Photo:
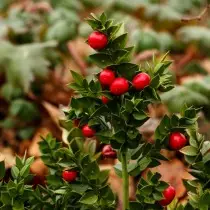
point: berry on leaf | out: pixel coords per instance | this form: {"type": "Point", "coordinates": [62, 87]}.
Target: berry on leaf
{"type": "Point", "coordinates": [104, 99]}
{"type": "Point", "coordinates": [108, 152]}
{"type": "Point", "coordinates": [141, 80]}
{"type": "Point", "coordinates": [97, 40]}
{"type": "Point", "coordinates": [169, 194]}
{"type": "Point", "coordinates": [119, 86]}
{"type": "Point", "coordinates": [88, 131]}
{"type": "Point", "coordinates": [106, 77]}
{"type": "Point", "coordinates": [69, 176]}
{"type": "Point", "coordinates": [177, 140]}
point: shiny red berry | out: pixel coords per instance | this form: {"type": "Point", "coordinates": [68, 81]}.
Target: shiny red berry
{"type": "Point", "coordinates": [140, 81]}
{"type": "Point", "coordinates": [69, 176]}
{"type": "Point", "coordinates": [169, 194]}
{"type": "Point", "coordinates": [104, 99]}
{"type": "Point", "coordinates": [88, 131]}
{"type": "Point", "coordinates": [108, 152]}
{"type": "Point", "coordinates": [97, 40]}
{"type": "Point", "coordinates": [106, 77]}
{"type": "Point", "coordinates": [177, 141]}
{"type": "Point", "coordinates": [119, 86]}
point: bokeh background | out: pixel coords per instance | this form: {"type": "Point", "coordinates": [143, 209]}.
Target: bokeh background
{"type": "Point", "coordinates": [40, 41]}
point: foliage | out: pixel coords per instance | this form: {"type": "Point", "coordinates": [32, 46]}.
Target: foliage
{"type": "Point", "coordinates": [116, 123]}
{"type": "Point", "coordinates": [192, 92]}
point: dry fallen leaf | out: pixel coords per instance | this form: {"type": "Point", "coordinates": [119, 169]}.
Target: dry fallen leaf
{"type": "Point", "coordinates": [8, 156]}
{"type": "Point", "coordinates": [116, 182]}
{"type": "Point", "coordinates": [39, 168]}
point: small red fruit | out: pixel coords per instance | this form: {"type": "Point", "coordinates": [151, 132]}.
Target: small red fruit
{"type": "Point", "coordinates": [169, 194]}
{"type": "Point", "coordinates": [69, 176]}
{"type": "Point", "coordinates": [177, 141]}
{"type": "Point", "coordinates": [97, 40]}
{"type": "Point", "coordinates": [104, 99]}
{"type": "Point", "coordinates": [106, 77]}
{"type": "Point", "coordinates": [88, 131]}
{"type": "Point", "coordinates": [108, 152]}
{"type": "Point", "coordinates": [119, 86]}
{"type": "Point", "coordinates": [140, 81]}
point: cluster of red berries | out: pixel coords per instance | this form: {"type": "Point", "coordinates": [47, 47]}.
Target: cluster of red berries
{"type": "Point", "coordinates": [120, 85]}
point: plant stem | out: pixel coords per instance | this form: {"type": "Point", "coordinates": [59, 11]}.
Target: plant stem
{"type": "Point", "coordinates": [125, 178]}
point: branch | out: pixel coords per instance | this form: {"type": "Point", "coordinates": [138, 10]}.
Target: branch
{"type": "Point", "coordinates": [198, 17]}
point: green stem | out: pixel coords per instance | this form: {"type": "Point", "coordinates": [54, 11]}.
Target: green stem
{"type": "Point", "coordinates": [125, 178]}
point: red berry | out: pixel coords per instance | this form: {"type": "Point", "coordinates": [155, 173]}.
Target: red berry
{"type": "Point", "coordinates": [140, 81]}
{"type": "Point", "coordinates": [76, 122]}
{"type": "Point", "coordinates": [106, 77]}
{"type": "Point", "coordinates": [177, 141]}
{"type": "Point", "coordinates": [97, 40]}
{"type": "Point", "coordinates": [108, 152]}
{"type": "Point", "coordinates": [88, 131]}
{"type": "Point", "coordinates": [119, 86]}
{"type": "Point", "coordinates": [169, 194]}
{"type": "Point", "coordinates": [104, 99]}
{"type": "Point", "coordinates": [69, 176]}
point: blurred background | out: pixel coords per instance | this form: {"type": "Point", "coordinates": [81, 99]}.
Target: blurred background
{"type": "Point", "coordinates": [40, 41]}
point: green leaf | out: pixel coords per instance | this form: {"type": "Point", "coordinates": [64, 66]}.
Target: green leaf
{"type": "Point", "coordinates": [79, 188]}
{"type": "Point", "coordinates": [120, 136]}
{"type": "Point", "coordinates": [26, 133]}
{"type": "Point", "coordinates": [161, 67]}
{"type": "Point", "coordinates": [101, 59]}
{"type": "Point", "coordinates": [19, 163]}
{"type": "Point", "coordinates": [127, 70]}
{"type": "Point", "coordinates": [103, 18]}
{"type": "Point", "coordinates": [104, 136]}
{"type": "Point", "coordinates": [77, 78]}
{"type": "Point", "coordinates": [161, 186]}
{"type": "Point", "coordinates": [18, 205]}
{"type": "Point", "coordinates": [22, 108]}
{"type": "Point", "coordinates": [74, 133]}
{"type": "Point", "coordinates": [139, 115]}
{"type": "Point", "coordinates": [101, 110]}
{"type": "Point", "coordinates": [91, 147]}
{"type": "Point", "coordinates": [189, 150]}
{"type": "Point", "coordinates": [89, 198]}
{"type": "Point", "coordinates": [155, 81]}
{"type": "Point", "coordinates": [24, 172]}
{"type": "Point", "coordinates": [204, 200]}
{"type": "Point", "coordinates": [119, 42]}
{"type": "Point", "coordinates": [144, 163]}
{"type": "Point", "coordinates": [15, 172]}
{"type": "Point", "coordinates": [2, 169]}
{"type": "Point", "coordinates": [158, 196]}
{"type": "Point", "coordinates": [5, 198]}
{"type": "Point", "coordinates": [29, 161]}
{"type": "Point", "coordinates": [134, 169]}
{"type": "Point", "coordinates": [147, 190]}
{"type": "Point", "coordinates": [129, 105]}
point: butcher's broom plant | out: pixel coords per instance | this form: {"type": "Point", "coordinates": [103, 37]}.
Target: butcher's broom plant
{"type": "Point", "coordinates": [109, 109]}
